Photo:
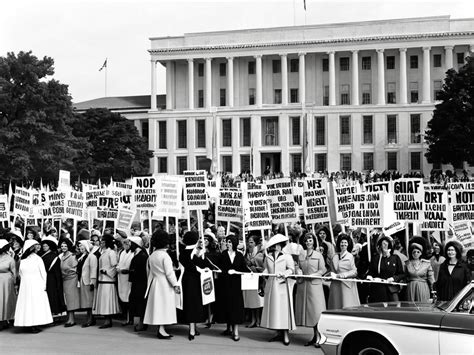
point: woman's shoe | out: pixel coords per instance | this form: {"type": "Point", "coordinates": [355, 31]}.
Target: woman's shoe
{"type": "Point", "coordinates": [235, 338]}
{"type": "Point", "coordinates": [226, 332]}
{"type": "Point", "coordinates": [316, 345]}
{"type": "Point", "coordinates": [35, 330]}
{"type": "Point", "coordinates": [190, 337]}
{"type": "Point", "coordinates": [196, 333]}
{"type": "Point", "coordinates": [164, 337]}
{"type": "Point", "coordinates": [208, 325]}
{"type": "Point", "coordinates": [311, 342]}
{"type": "Point", "coordinates": [67, 325]}
{"type": "Point", "coordinates": [286, 343]}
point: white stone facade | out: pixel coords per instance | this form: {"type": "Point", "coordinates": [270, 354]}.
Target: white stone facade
{"type": "Point", "coordinates": [360, 94]}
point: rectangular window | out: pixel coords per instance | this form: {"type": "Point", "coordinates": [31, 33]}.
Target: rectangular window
{"type": "Point", "coordinates": [145, 131]}
{"type": "Point", "coordinates": [200, 69]}
{"type": "Point", "coordinates": [227, 133]}
{"type": "Point", "coordinates": [460, 58]}
{"type": "Point", "coordinates": [391, 93]}
{"type": "Point", "coordinates": [201, 133]}
{"type": "Point", "coordinates": [270, 130]}
{"type": "Point", "coordinates": [390, 62]}
{"type": "Point", "coordinates": [276, 66]}
{"type": "Point", "coordinates": [200, 98]}
{"type": "Point", "coordinates": [162, 135]}
{"type": "Point", "coordinates": [345, 130]}
{"type": "Point", "coordinates": [320, 124]}
{"type": "Point", "coordinates": [437, 86]}
{"type": "Point", "coordinates": [344, 63]}
{"type": "Point", "coordinates": [245, 131]}
{"type": "Point", "coordinates": [294, 65]}
{"type": "Point", "coordinates": [368, 161]}
{"type": "Point", "coordinates": [227, 163]}
{"type": "Point", "coordinates": [392, 129]}
{"type": "Point", "coordinates": [346, 162]}
{"type": "Point", "coordinates": [295, 131]}
{"type": "Point", "coordinates": [366, 63]}
{"type": "Point", "coordinates": [415, 128]}
{"type": "Point", "coordinates": [345, 98]}
{"type": "Point", "coordinates": [277, 96]}
{"type": "Point", "coordinates": [321, 162]}
{"type": "Point", "coordinates": [293, 95]}
{"type": "Point", "coordinates": [222, 97]}
{"type": "Point", "coordinates": [201, 163]}
{"type": "Point", "coordinates": [415, 161]}
{"type": "Point", "coordinates": [413, 92]}
{"type": "Point", "coordinates": [325, 64]}
{"type": "Point", "coordinates": [162, 164]}
{"type": "Point", "coordinates": [366, 94]}
{"type": "Point", "coordinates": [182, 164]}
{"type": "Point", "coordinates": [368, 129]}
{"type": "Point", "coordinates": [392, 163]}
{"type": "Point", "coordinates": [222, 69]}
{"type": "Point", "coordinates": [326, 96]}
{"type": "Point", "coordinates": [251, 96]}
{"type": "Point", "coordinates": [251, 68]}
{"type": "Point", "coordinates": [296, 163]}
{"type": "Point", "coordinates": [437, 60]}
{"type": "Point", "coordinates": [245, 163]}
{"type": "Point", "coordinates": [413, 62]}
{"type": "Point", "coordinates": [182, 134]}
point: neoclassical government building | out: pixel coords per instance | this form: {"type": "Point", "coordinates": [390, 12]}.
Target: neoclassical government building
{"type": "Point", "coordinates": [348, 96]}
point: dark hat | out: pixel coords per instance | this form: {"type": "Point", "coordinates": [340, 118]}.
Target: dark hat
{"type": "Point", "coordinates": [83, 234]}
{"type": "Point", "coordinates": [190, 238]}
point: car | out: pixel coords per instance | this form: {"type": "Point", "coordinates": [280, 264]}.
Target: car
{"type": "Point", "coordinates": [392, 328]}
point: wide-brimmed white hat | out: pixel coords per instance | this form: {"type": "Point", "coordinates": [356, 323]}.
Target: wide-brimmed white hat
{"type": "Point", "coordinates": [51, 239]}
{"type": "Point", "coordinates": [28, 244]}
{"type": "Point", "coordinates": [17, 233]}
{"type": "Point", "coordinates": [137, 240]}
{"type": "Point", "coordinates": [276, 239]}
{"type": "Point", "coordinates": [208, 232]}
{"type": "Point", "coordinates": [86, 244]}
{"type": "Point", "coordinates": [3, 242]}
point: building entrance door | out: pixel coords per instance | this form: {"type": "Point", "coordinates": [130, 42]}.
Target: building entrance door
{"type": "Point", "coordinates": [270, 163]}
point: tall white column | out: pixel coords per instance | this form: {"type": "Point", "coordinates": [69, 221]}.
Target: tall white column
{"type": "Point", "coordinates": [230, 82]}
{"type": "Point", "coordinates": [258, 89]}
{"type": "Point", "coordinates": [169, 84]}
{"type": "Point", "coordinates": [426, 75]}
{"type": "Point", "coordinates": [153, 86]}
{"type": "Point", "coordinates": [355, 78]}
{"type": "Point", "coordinates": [448, 57]}
{"type": "Point", "coordinates": [302, 78]}
{"type": "Point", "coordinates": [284, 79]}
{"type": "Point", "coordinates": [332, 79]}
{"type": "Point", "coordinates": [256, 129]}
{"type": "Point", "coordinates": [403, 99]}
{"type": "Point", "coordinates": [381, 78]}
{"type": "Point", "coordinates": [208, 74]}
{"type": "Point", "coordinates": [190, 84]}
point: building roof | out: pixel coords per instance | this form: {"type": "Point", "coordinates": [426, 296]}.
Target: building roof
{"type": "Point", "coordinates": [114, 103]}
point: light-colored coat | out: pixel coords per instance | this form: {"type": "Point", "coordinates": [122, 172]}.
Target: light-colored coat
{"type": "Point", "coordinates": [310, 302]}
{"type": "Point", "coordinates": [106, 300]}
{"type": "Point", "coordinates": [161, 304]}
{"type": "Point", "coordinates": [343, 293]}
{"type": "Point", "coordinates": [89, 270]}
{"type": "Point", "coordinates": [278, 301]}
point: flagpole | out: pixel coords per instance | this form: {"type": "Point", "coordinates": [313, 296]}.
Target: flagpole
{"type": "Point", "coordinates": [106, 80]}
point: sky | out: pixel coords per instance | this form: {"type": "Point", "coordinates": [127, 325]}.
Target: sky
{"type": "Point", "coordinates": [80, 35]}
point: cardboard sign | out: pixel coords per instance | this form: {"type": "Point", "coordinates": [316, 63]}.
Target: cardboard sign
{"type": "Point", "coordinates": [282, 204]}
{"type": "Point", "coordinates": [145, 195]}
{"type": "Point", "coordinates": [435, 211]}
{"type": "Point", "coordinates": [257, 210]}
{"type": "Point", "coordinates": [462, 205]}
{"type": "Point", "coordinates": [315, 202]}
{"type": "Point", "coordinates": [376, 186]}
{"type": "Point", "coordinates": [408, 197]}
{"type": "Point", "coordinates": [4, 208]}
{"type": "Point", "coordinates": [229, 205]}
{"type": "Point", "coordinates": [343, 199]}
{"type": "Point", "coordinates": [64, 182]}
{"type": "Point", "coordinates": [107, 207]}
{"type": "Point", "coordinates": [169, 191]}
{"type": "Point", "coordinates": [393, 228]}
{"type": "Point", "coordinates": [207, 287]}
{"type": "Point", "coordinates": [75, 205]}
{"type": "Point", "coordinates": [125, 219]}
{"type": "Point", "coordinates": [57, 201]}
{"type": "Point", "coordinates": [195, 184]}
{"type": "Point", "coordinates": [22, 204]}
{"type": "Point", "coordinates": [93, 195]}
{"type": "Point", "coordinates": [368, 211]}
{"type": "Point", "coordinates": [298, 192]}
{"type": "Point", "coordinates": [463, 233]}
{"type": "Point", "coordinates": [466, 185]}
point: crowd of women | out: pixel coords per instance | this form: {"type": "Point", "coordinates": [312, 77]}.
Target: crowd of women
{"type": "Point", "coordinates": [146, 279]}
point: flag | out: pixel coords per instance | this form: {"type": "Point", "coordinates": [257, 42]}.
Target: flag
{"type": "Point", "coordinates": [103, 65]}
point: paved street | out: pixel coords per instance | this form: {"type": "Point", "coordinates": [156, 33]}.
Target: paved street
{"type": "Point", "coordinates": [122, 340]}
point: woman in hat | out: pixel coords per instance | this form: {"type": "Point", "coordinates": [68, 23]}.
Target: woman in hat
{"type": "Point", "coordinates": [106, 301]}
{"type": "Point", "coordinates": [385, 266]}
{"type": "Point", "coordinates": [86, 274]}
{"type": "Point", "coordinates": [213, 257]}
{"type": "Point", "coordinates": [453, 273]}
{"type": "Point", "coordinates": [138, 280]}
{"type": "Point", "coordinates": [123, 269]}
{"type": "Point", "coordinates": [278, 300]}
{"type": "Point", "coordinates": [7, 285]}
{"type": "Point", "coordinates": [70, 280]}
{"type": "Point", "coordinates": [54, 280]}
{"type": "Point", "coordinates": [419, 274]}
{"type": "Point", "coordinates": [324, 234]}
{"type": "Point", "coordinates": [343, 293]}
{"type": "Point", "coordinates": [32, 307]}
{"type": "Point", "coordinates": [162, 286]}
{"type": "Point", "coordinates": [310, 301]}
{"type": "Point", "coordinates": [193, 311]}
{"type": "Point", "coordinates": [254, 258]}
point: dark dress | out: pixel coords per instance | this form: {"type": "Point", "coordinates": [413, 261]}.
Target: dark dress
{"type": "Point", "coordinates": [230, 304]}
{"type": "Point", "coordinates": [193, 311]}
{"type": "Point", "coordinates": [448, 285]}
{"type": "Point", "coordinates": [390, 266]}
{"type": "Point", "coordinates": [54, 282]}
{"type": "Point", "coordinates": [138, 278]}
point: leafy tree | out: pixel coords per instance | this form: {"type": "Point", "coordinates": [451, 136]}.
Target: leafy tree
{"type": "Point", "coordinates": [450, 133]}
{"type": "Point", "coordinates": [115, 147]}
{"type": "Point", "coordinates": [35, 113]}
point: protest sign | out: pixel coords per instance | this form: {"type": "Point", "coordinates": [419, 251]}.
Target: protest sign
{"type": "Point", "coordinates": [92, 197]}
{"type": "Point", "coordinates": [4, 208]}
{"type": "Point", "coordinates": [195, 183]}
{"type": "Point", "coordinates": [463, 233]}
{"type": "Point", "coordinates": [64, 182]}
{"type": "Point", "coordinates": [435, 211]}
{"type": "Point", "coordinates": [343, 200]}
{"type": "Point", "coordinates": [376, 186]}
{"type": "Point", "coordinates": [394, 227]}
{"type": "Point", "coordinates": [367, 211]}
{"type": "Point", "coordinates": [461, 185]}
{"type": "Point", "coordinates": [75, 205]}
{"type": "Point", "coordinates": [169, 192]}
{"type": "Point", "coordinates": [229, 205]}
{"type": "Point", "coordinates": [22, 204]}
{"type": "Point", "coordinates": [207, 286]}
{"type": "Point", "coordinates": [282, 204]}
{"type": "Point", "coordinates": [125, 219]}
{"type": "Point", "coordinates": [408, 197]}
{"type": "Point", "coordinates": [107, 207]}
{"type": "Point", "coordinates": [298, 191]}
{"type": "Point", "coordinates": [256, 207]}
{"type": "Point", "coordinates": [315, 202]}
{"type": "Point", "coordinates": [145, 195]}
{"type": "Point", "coordinates": [57, 202]}
{"type": "Point", "coordinates": [462, 205]}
